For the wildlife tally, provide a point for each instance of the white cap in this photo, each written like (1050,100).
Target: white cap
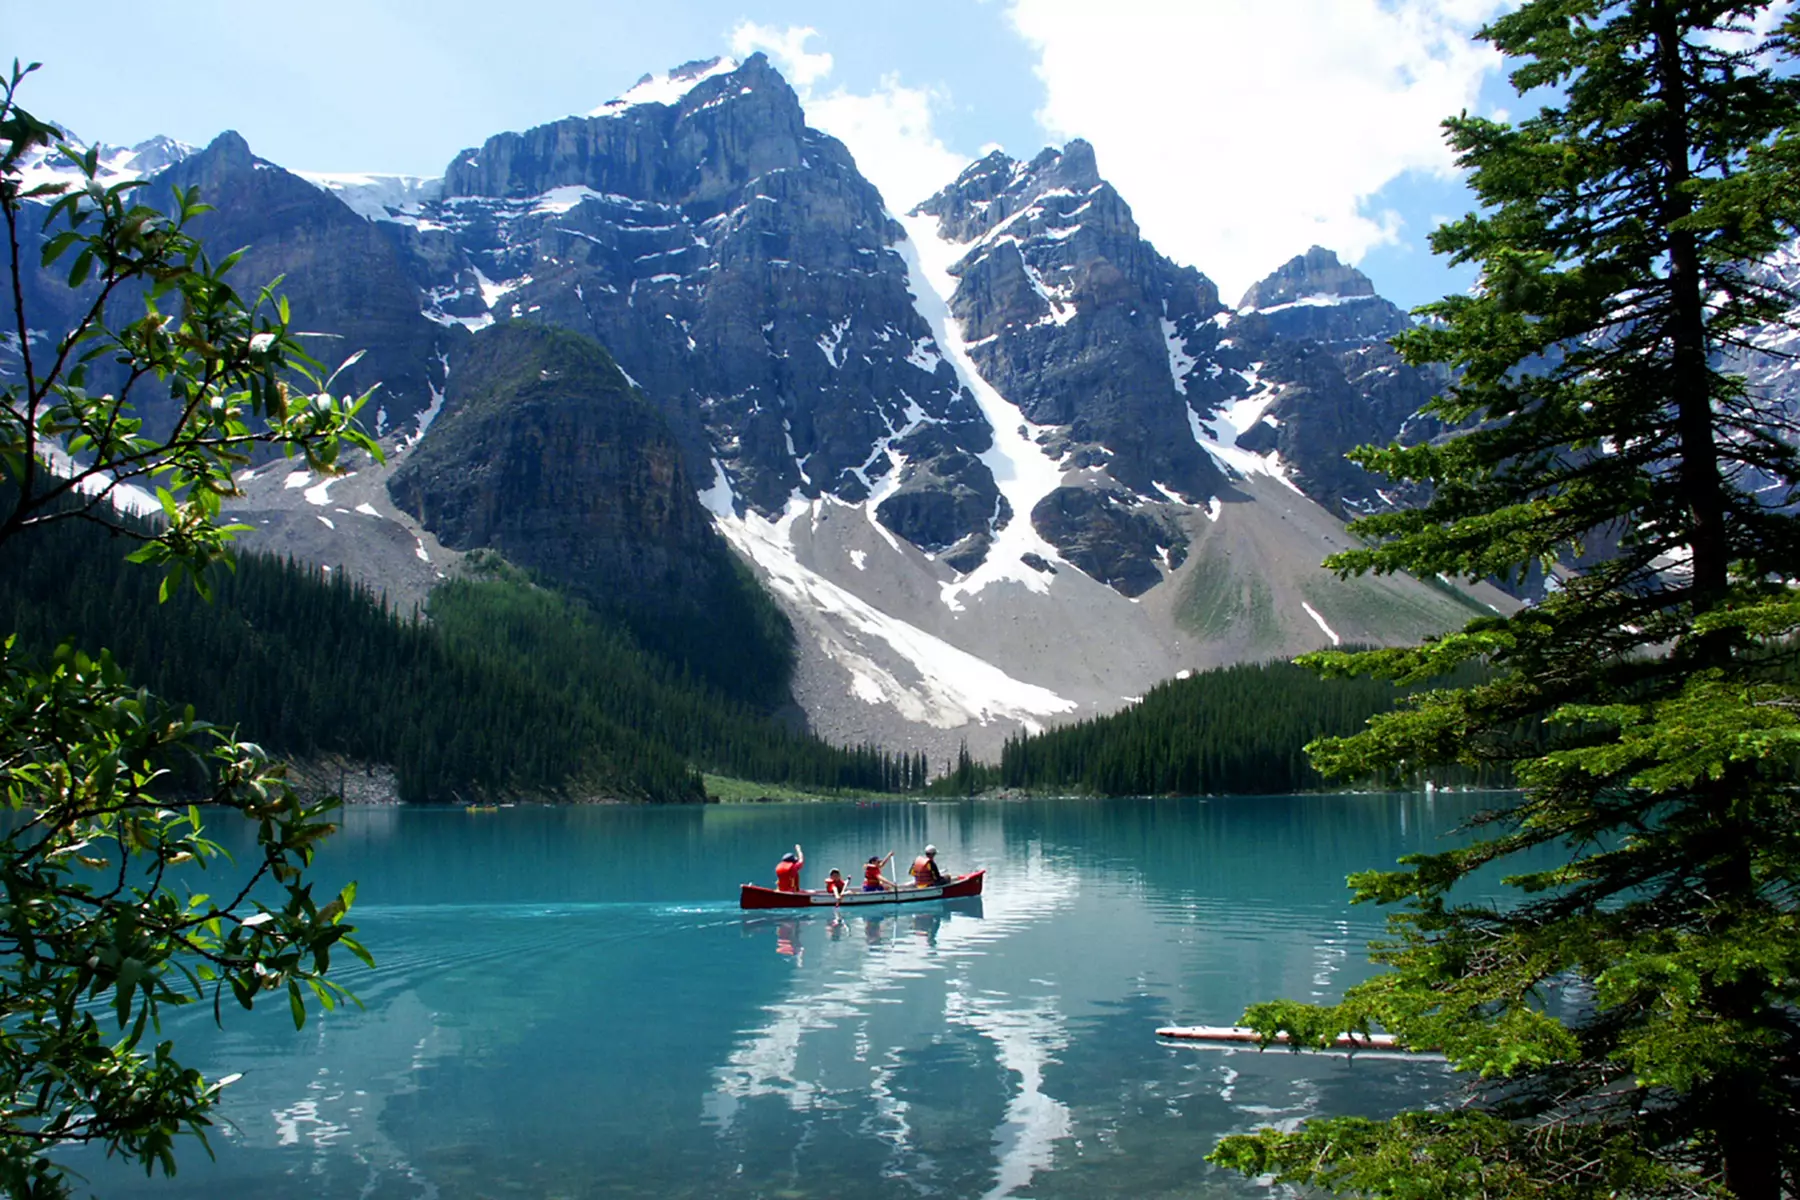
(931,849)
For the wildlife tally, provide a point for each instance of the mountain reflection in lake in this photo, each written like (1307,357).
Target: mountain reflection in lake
(570,1004)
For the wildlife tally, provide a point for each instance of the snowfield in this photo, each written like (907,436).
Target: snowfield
(927,680)
(1024,473)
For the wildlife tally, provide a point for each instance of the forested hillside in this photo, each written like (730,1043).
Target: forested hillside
(1240,729)
(509,688)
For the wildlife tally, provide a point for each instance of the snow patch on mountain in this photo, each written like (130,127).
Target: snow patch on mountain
(666,88)
(437,402)
(1218,434)
(1320,622)
(1181,363)
(319,495)
(717,498)
(113,164)
(126,497)
(491,292)
(1021,469)
(376,196)
(559,200)
(952,687)
(1319,300)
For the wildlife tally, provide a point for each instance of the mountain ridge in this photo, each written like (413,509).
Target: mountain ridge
(1001,461)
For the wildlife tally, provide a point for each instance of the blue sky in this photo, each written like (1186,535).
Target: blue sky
(1241,131)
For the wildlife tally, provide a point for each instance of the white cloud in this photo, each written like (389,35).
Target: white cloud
(888,130)
(787,47)
(1243,131)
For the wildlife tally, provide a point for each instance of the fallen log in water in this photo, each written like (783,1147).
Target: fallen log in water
(1241,1033)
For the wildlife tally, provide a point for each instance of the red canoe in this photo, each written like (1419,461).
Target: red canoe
(754,896)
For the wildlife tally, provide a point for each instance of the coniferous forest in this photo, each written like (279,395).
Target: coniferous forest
(508,688)
(1234,730)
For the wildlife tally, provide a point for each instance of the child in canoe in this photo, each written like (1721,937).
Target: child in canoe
(873,879)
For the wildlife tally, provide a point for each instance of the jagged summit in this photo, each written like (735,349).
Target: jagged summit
(713,133)
(345,273)
(1317,297)
(229,149)
(1316,274)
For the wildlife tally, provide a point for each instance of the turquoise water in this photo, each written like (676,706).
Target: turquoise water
(569,1004)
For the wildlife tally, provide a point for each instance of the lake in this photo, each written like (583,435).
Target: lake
(568,1003)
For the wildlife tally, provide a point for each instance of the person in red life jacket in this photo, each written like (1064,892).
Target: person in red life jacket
(873,879)
(925,871)
(835,883)
(787,871)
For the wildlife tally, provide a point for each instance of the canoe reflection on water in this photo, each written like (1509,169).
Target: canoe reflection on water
(880,926)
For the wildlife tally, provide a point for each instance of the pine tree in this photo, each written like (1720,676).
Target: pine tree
(1649,702)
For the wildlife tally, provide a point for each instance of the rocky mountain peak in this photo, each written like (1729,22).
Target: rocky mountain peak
(957,447)
(744,274)
(1026,198)
(1314,337)
(113,164)
(1317,297)
(1074,166)
(345,273)
(155,154)
(1071,315)
(693,135)
(228,151)
(1318,272)
(652,87)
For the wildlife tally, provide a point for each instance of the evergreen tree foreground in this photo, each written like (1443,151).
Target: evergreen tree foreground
(1630,1024)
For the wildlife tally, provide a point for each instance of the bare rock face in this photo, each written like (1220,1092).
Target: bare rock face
(1315,274)
(1318,336)
(1111,535)
(1314,297)
(745,275)
(348,280)
(544,453)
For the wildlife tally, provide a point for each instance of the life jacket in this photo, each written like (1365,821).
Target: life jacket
(787,876)
(872,875)
(925,872)
(835,886)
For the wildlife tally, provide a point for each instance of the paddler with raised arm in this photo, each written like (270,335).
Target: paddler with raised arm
(787,871)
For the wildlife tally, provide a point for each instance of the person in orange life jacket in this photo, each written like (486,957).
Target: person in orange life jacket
(835,883)
(873,879)
(787,871)
(925,871)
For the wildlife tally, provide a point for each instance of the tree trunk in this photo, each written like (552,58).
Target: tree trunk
(1690,383)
